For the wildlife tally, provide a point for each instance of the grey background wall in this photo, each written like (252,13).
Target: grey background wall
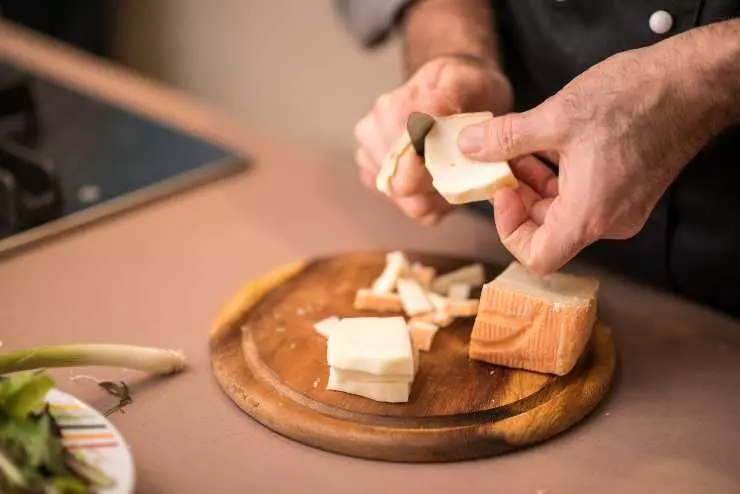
(285,66)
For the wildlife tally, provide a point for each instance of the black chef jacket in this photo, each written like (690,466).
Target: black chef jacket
(690,241)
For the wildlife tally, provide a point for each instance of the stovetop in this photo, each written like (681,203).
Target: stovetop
(67,159)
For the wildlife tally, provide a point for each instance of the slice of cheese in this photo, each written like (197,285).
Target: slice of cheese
(459,291)
(380,302)
(389,392)
(413,297)
(440,316)
(423,274)
(395,264)
(464,308)
(536,323)
(472,274)
(325,326)
(341,376)
(422,333)
(383,181)
(377,345)
(455,176)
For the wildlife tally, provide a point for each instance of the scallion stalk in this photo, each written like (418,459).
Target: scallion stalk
(146,359)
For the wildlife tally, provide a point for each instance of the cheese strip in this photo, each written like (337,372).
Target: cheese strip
(380,302)
(533,323)
(465,308)
(422,334)
(390,392)
(325,326)
(395,264)
(439,319)
(413,297)
(423,274)
(377,345)
(455,176)
(383,181)
(472,274)
(459,291)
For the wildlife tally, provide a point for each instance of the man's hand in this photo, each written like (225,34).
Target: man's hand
(442,86)
(620,132)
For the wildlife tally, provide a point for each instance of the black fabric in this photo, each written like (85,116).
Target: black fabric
(690,241)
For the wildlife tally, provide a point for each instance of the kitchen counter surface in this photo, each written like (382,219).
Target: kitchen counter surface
(158,276)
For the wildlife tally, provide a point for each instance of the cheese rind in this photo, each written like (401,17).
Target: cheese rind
(388,392)
(381,302)
(422,334)
(423,274)
(456,177)
(325,326)
(533,323)
(413,297)
(472,274)
(377,345)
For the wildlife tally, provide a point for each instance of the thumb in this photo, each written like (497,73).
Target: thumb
(506,137)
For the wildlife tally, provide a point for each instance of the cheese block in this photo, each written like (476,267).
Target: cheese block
(377,345)
(395,264)
(422,333)
(413,297)
(455,176)
(536,323)
(380,302)
(325,326)
(459,291)
(472,274)
(464,308)
(423,274)
(389,392)
(342,376)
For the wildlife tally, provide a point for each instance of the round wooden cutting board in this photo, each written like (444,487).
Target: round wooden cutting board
(271,363)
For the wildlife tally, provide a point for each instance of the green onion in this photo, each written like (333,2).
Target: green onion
(147,359)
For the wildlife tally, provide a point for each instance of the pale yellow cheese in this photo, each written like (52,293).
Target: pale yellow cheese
(343,375)
(455,176)
(459,291)
(472,274)
(536,323)
(383,182)
(388,392)
(413,297)
(395,264)
(376,345)
(380,302)
(423,274)
(422,333)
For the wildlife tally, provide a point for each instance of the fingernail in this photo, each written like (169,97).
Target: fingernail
(471,139)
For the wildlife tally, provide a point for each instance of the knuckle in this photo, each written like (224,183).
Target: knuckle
(361,130)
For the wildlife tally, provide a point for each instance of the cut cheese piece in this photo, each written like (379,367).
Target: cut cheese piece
(472,274)
(395,264)
(455,176)
(325,326)
(423,274)
(459,291)
(380,302)
(377,345)
(342,376)
(422,333)
(464,308)
(413,297)
(383,181)
(389,392)
(536,323)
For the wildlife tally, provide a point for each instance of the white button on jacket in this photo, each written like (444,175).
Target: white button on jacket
(661,22)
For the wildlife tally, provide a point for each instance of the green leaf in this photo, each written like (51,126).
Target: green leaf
(10,472)
(68,485)
(28,397)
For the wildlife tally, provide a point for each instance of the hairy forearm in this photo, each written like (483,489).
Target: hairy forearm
(434,28)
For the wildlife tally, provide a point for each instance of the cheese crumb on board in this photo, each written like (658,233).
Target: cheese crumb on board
(325,326)
(376,345)
(472,274)
(459,291)
(536,323)
(413,297)
(395,264)
(381,302)
(456,177)
(422,334)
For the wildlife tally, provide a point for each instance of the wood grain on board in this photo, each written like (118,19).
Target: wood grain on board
(272,364)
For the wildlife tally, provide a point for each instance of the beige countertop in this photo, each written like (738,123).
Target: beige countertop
(158,276)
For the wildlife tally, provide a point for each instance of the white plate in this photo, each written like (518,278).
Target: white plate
(89,433)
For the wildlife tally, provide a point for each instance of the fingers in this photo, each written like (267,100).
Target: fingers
(537,175)
(542,248)
(426,208)
(508,136)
